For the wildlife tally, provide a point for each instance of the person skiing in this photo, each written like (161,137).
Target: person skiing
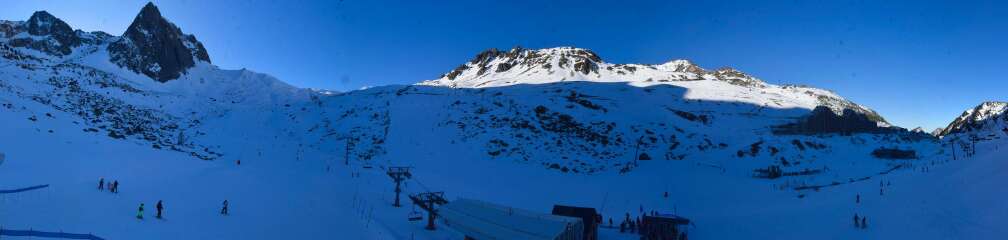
(115,186)
(140,212)
(159,208)
(864,222)
(856,221)
(224,210)
(858,199)
(101,183)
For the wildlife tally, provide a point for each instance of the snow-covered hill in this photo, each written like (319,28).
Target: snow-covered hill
(524,128)
(495,68)
(986,118)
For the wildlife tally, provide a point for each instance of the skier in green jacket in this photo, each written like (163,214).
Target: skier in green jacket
(140,212)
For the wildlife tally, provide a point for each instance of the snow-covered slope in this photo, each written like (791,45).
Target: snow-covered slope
(523,128)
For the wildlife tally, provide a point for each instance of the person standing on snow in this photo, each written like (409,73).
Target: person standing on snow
(101,182)
(224,210)
(159,208)
(115,186)
(140,212)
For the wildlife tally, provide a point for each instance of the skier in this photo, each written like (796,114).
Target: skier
(101,182)
(224,211)
(159,208)
(140,212)
(856,221)
(610,222)
(858,199)
(864,222)
(115,186)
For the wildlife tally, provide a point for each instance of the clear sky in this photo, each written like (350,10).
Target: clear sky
(918,63)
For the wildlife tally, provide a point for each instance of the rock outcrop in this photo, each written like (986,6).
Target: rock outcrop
(155,47)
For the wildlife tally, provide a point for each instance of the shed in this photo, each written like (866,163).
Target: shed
(488,221)
(588,216)
(664,227)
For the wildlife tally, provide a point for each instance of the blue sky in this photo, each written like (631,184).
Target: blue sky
(918,63)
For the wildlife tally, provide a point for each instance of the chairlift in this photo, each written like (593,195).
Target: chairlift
(414,215)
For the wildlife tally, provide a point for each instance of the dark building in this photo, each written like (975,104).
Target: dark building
(588,216)
(664,227)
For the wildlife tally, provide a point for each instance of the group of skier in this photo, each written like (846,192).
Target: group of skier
(160,208)
(633,224)
(112,186)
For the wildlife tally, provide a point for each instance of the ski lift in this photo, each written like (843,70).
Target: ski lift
(414,215)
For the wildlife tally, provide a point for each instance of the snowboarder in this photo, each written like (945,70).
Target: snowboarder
(140,212)
(224,210)
(159,208)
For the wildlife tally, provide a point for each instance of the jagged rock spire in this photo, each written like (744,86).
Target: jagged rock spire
(157,48)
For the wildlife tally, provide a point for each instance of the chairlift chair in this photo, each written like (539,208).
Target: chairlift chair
(414,215)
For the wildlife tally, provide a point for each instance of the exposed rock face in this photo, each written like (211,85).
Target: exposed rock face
(157,48)
(582,60)
(824,120)
(985,115)
(937,132)
(57,38)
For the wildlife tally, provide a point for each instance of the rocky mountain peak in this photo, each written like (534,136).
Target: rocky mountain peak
(155,47)
(682,65)
(978,117)
(51,35)
(736,77)
(42,23)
